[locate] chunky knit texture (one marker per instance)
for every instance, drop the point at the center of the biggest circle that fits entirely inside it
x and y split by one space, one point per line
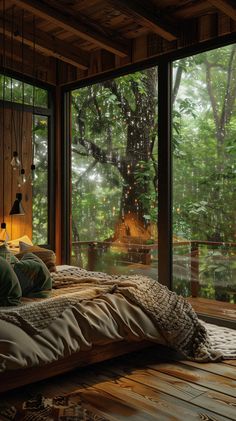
173 316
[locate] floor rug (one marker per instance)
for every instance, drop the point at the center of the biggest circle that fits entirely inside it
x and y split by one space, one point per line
39 408
222 339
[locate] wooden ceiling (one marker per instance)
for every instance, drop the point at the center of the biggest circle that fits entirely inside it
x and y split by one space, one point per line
91 36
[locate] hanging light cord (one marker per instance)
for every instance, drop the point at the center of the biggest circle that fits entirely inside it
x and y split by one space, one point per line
23 87
3 115
34 74
13 123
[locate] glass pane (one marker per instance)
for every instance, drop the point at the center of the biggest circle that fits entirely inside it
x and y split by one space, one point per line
204 174
40 183
15 90
114 173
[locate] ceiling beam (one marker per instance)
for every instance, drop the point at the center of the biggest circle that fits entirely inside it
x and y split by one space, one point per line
147 17
13 52
44 66
46 44
7 5
75 26
225 7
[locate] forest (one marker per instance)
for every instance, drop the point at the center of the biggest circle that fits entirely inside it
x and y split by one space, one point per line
115 171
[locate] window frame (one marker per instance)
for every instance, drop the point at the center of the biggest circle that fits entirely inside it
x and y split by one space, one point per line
165 178
49 113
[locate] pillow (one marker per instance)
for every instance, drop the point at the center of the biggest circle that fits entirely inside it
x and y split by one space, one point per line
6 254
47 256
34 276
10 289
14 245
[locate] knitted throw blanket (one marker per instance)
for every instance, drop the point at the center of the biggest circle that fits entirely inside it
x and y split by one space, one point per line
172 315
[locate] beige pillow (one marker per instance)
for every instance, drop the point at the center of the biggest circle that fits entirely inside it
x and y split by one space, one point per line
47 256
14 245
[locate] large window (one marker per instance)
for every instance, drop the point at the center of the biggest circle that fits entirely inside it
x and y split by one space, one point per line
114 175
204 174
115 178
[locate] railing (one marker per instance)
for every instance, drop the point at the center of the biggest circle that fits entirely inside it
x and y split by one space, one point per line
144 252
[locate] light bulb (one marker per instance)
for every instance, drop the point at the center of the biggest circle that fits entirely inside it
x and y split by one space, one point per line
4 236
15 162
22 178
32 175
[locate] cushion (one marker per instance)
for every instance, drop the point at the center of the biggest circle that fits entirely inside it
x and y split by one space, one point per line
6 254
10 289
34 276
47 256
14 245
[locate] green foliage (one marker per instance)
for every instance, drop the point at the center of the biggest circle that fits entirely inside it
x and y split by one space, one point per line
13 90
105 115
204 154
204 163
40 186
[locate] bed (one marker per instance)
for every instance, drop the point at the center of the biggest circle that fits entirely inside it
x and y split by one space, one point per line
90 317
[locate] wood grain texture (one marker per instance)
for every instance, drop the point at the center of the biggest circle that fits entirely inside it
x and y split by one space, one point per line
20 377
128 388
148 404
214 368
225 7
198 376
17 226
218 309
76 34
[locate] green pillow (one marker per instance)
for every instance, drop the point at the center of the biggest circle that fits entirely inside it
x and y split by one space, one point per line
6 254
10 289
34 276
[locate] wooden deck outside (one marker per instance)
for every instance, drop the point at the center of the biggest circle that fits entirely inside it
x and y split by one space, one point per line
213 308
152 384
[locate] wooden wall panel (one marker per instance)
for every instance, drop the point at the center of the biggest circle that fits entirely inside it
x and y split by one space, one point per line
16 225
45 66
192 32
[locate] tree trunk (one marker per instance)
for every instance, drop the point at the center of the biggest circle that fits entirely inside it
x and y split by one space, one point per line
134 204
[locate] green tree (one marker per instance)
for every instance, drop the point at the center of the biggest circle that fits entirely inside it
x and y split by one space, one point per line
115 125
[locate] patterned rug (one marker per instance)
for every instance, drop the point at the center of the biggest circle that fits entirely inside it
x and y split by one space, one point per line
61 408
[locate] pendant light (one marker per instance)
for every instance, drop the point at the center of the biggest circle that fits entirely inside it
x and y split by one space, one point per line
22 177
15 162
3 233
17 208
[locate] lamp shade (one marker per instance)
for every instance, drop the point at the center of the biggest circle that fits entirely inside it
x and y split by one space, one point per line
17 208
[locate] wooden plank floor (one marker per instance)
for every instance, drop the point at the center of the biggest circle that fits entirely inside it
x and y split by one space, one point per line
218 309
152 384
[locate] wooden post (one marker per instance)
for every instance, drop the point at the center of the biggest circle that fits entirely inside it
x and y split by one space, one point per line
58 176
92 256
194 269
164 176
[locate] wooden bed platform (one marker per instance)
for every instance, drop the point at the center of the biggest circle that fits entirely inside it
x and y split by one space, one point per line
16 378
